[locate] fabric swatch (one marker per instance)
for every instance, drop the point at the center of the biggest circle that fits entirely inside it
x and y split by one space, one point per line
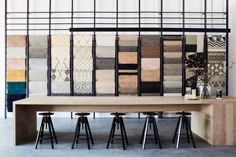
83 40
105 87
127 81
16 41
172 37
16 87
171 72
128 43
38 64
105 75
37 75
150 40
173 55
83 63
218 82
124 90
60 58
16 64
150 87
60 87
172 66
16 75
36 52
150 75
105 40
60 41
200 43
82 52
216 43
82 87
191 40
173 48
13 97
105 52
16 52
105 63
172 60
128 37
38 41
128 58
173 78
172 84
150 63
82 75
38 88
172 90
150 52
128 48
60 75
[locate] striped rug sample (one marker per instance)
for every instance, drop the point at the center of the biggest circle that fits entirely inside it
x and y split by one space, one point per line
82 82
128 43
173 63
150 51
128 58
60 64
217 63
129 83
16 41
150 75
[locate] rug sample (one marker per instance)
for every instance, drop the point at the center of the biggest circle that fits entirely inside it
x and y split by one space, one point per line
150 51
11 98
105 51
105 40
128 58
105 63
82 81
16 64
150 63
38 41
60 40
83 40
16 41
38 52
16 52
37 75
38 64
150 40
105 75
37 88
150 75
82 52
105 87
16 87
16 75
60 87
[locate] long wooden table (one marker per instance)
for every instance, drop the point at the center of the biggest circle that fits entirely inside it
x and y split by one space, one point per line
213 120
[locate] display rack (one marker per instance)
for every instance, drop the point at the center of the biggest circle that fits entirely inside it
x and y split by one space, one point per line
159 25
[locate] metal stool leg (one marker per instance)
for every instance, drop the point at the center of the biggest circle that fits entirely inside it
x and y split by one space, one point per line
76 134
179 132
145 133
42 131
141 139
90 133
122 133
110 135
186 128
53 131
51 136
176 129
39 135
157 133
86 131
123 125
191 134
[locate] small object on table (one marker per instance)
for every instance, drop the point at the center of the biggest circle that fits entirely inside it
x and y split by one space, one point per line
219 94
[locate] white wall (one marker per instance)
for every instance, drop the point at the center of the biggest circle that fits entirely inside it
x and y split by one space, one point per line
40 5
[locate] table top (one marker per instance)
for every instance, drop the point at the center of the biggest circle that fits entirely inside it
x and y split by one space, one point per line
121 100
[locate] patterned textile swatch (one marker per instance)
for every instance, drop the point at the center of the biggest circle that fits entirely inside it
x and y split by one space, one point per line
83 40
216 43
38 52
60 87
16 87
105 63
150 75
105 51
37 75
38 41
16 41
83 63
82 82
82 52
60 58
218 82
11 98
60 41
128 58
150 63
150 52
16 75
16 52
105 75
37 88
150 40
16 64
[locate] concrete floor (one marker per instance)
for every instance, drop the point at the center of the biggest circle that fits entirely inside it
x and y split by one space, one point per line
100 128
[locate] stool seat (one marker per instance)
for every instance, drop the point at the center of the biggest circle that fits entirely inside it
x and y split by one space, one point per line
82 114
150 113
46 114
118 114
184 113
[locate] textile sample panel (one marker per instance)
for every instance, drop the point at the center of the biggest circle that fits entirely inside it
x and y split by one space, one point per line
16 69
127 60
60 65
83 64
150 64
172 65
38 55
105 65
217 63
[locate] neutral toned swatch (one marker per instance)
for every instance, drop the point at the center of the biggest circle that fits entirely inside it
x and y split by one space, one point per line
150 75
200 43
124 90
150 40
105 40
172 66
60 75
16 41
172 84
191 39
83 87
37 64
128 37
173 78
172 37
105 51
173 48
83 64
60 41
105 87
105 63
16 87
83 40
16 52
128 48
105 75
38 88
60 87
128 58
172 90
38 41
36 52
172 60
16 75
37 75
172 43
150 63
171 72
83 52
127 81
173 55
150 51
60 58
16 64
128 43
82 75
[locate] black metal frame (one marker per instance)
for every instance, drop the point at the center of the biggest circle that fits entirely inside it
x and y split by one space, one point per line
140 26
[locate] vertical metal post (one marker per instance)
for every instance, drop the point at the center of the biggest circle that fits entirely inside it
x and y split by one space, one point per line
49 50
183 51
94 54
139 51
227 47
72 55
27 50
161 53
117 51
205 35
5 106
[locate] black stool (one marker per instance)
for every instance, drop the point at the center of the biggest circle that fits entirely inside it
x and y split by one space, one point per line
81 123
150 121
46 120
119 123
183 123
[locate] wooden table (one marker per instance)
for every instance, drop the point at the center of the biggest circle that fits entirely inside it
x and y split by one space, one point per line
213 120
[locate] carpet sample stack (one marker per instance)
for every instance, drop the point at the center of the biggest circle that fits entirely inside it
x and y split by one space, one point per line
105 64
16 69
83 65
60 69
150 65
172 65
38 47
